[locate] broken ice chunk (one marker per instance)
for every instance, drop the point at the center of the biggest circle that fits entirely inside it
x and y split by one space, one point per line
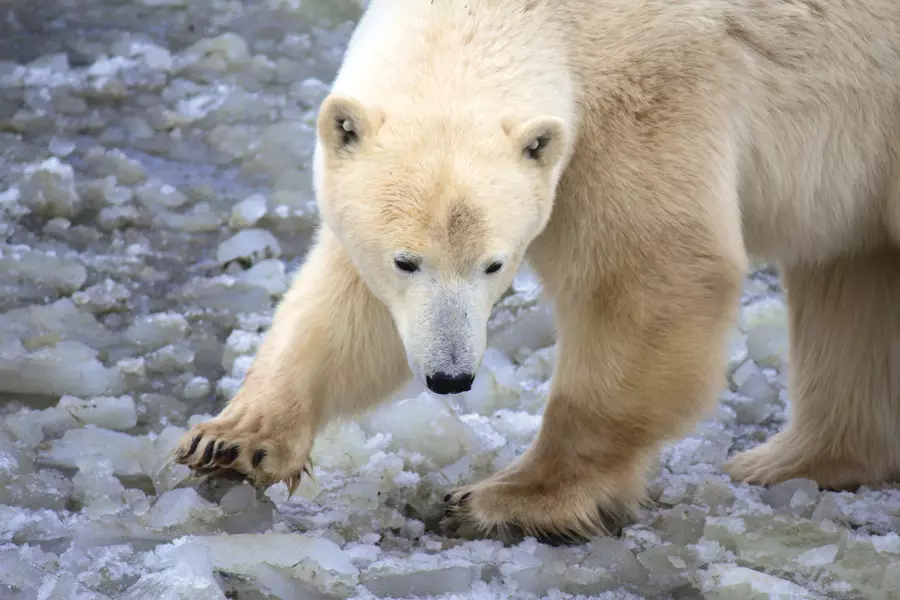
422 575
155 194
225 293
173 358
764 312
21 525
731 582
342 446
179 507
19 265
612 556
248 212
197 387
124 452
767 345
95 479
103 297
49 189
496 385
794 496
69 367
152 332
269 274
682 525
768 541
425 424
116 163
187 574
103 411
239 343
253 245
316 562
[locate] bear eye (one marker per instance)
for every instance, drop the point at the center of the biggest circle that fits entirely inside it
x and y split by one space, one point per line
405 264
494 267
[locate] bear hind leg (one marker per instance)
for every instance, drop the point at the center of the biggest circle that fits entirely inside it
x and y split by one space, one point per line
844 426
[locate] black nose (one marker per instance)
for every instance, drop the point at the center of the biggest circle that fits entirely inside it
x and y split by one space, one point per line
441 383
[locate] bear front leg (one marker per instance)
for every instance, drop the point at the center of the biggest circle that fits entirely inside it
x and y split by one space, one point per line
844 427
332 350
639 361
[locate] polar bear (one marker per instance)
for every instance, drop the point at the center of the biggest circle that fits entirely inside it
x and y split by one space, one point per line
636 154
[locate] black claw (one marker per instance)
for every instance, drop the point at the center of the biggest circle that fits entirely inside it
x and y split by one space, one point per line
194 445
447 498
307 470
231 454
258 457
208 453
559 539
205 471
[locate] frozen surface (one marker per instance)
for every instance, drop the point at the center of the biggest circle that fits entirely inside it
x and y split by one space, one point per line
154 199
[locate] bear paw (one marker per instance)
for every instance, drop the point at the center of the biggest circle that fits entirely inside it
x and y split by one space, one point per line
510 512
782 458
224 445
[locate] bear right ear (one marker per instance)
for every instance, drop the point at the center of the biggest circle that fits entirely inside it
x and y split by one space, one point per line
342 123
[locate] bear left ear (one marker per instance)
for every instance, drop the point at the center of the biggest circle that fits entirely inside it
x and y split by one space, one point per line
541 139
343 123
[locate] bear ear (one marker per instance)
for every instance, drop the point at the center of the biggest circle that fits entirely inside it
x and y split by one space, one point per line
541 140
343 123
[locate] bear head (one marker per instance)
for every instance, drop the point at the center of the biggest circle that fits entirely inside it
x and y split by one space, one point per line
436 210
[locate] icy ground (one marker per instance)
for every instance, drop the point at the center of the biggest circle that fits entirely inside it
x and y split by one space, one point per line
154 197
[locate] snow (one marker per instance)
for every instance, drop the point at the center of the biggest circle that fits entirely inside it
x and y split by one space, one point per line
155 199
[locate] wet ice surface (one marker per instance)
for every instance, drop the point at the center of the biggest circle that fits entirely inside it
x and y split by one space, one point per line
154 198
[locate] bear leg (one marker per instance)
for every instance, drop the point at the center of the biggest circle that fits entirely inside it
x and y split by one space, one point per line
844 426
332 350
636 366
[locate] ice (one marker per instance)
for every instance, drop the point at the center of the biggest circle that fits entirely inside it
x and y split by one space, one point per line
248 211
155 331
733 582
426 425
24 265
156 198
269 274
250 244
124 452
178 507
767 344
103 297
434 579
68 367
273 560
49 189
107 412
116 163
43 326
795 496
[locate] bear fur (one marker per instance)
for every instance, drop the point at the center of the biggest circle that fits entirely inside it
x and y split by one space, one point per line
636 154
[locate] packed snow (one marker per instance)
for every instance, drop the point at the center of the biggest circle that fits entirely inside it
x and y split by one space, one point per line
155 198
